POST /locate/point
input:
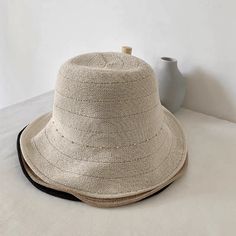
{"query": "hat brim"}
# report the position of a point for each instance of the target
(106, 203)
(173, 166)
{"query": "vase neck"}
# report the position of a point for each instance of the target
(169, 62)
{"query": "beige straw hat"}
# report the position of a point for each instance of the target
(108, 140)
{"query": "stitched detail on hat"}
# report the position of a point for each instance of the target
(102, 58)
(95, 131)
(118, 100)
(104, 83)
(99, 177)
(86, 160)
(124, 130)
(114, 147)
(105, 118)
(93, 192)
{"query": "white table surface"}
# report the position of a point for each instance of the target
(202, 202)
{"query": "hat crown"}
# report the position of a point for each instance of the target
(107, 100)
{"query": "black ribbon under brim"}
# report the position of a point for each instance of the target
(50, 191)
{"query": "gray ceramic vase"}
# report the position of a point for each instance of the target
(171, 84)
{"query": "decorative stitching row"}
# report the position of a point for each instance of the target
(102, 83)
(102, 147)
(118, 100)
(99, 177)
(86, 160)
(85, 191)
(95, 131)
(106, 118)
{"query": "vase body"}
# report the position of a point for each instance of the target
(171, 84)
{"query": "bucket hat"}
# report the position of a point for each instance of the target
(108, 140)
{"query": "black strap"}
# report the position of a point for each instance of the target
(51, 191)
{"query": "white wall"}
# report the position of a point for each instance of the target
(37, 36)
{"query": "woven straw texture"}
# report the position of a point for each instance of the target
(108, 135)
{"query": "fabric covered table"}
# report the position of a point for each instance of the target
(202, 202)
